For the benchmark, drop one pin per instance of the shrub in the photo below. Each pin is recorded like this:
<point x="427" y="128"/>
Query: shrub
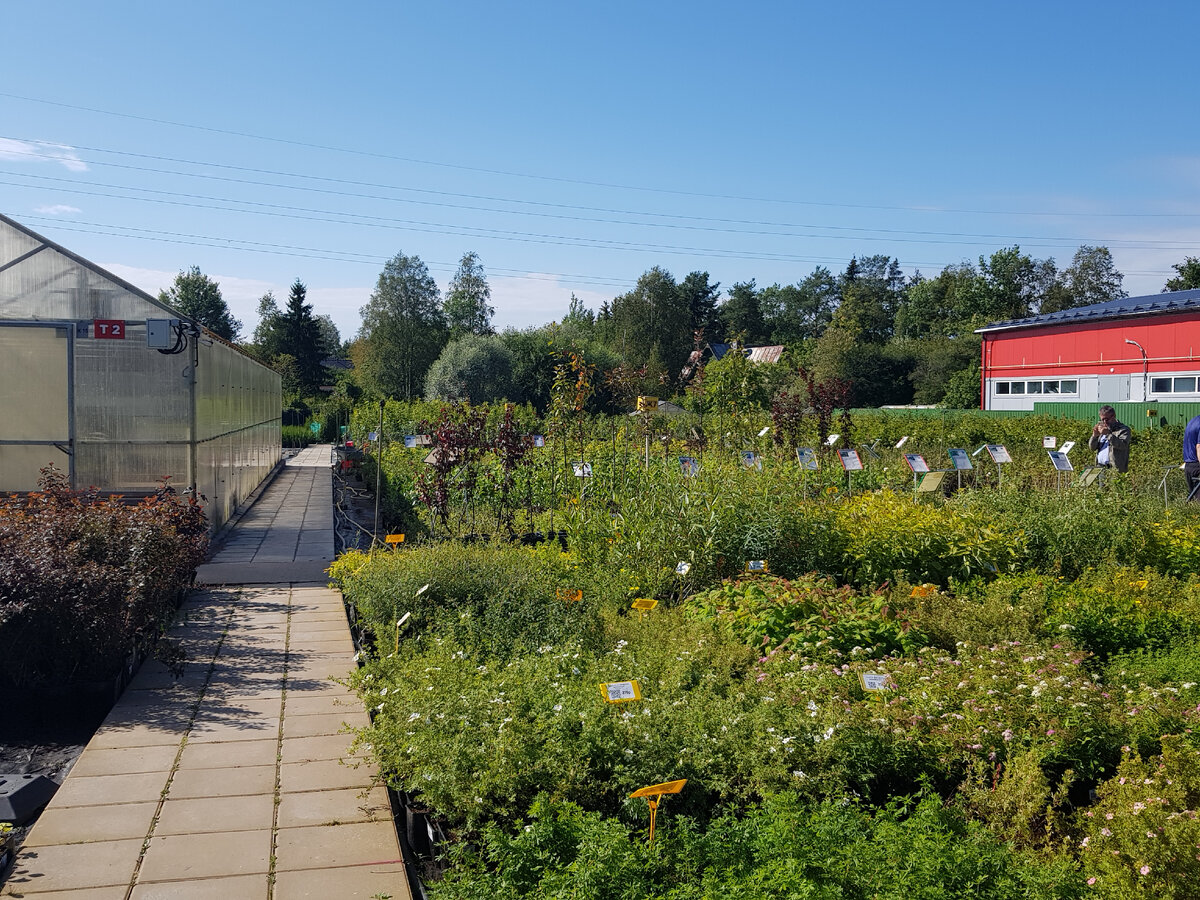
<point x="1142" y="839"/>
<point x="809" y="614"/>
<point x="916" y="847"/>
<point x="492" y="601"/>
<point x="86" y="582"/>
<point x="890" y="537"/>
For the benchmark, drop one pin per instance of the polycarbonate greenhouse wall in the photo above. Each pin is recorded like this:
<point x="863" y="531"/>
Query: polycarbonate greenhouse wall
<point x="80" y="388"/>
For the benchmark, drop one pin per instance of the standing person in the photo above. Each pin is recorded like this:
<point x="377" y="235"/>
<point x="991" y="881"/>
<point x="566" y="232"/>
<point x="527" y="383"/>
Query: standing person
<point x="1191" y="455"/>
<point x="1110" y="440"/>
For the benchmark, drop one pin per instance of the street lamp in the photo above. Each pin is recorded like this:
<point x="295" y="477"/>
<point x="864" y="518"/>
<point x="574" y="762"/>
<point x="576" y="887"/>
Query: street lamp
<point x="1145" y="369"/>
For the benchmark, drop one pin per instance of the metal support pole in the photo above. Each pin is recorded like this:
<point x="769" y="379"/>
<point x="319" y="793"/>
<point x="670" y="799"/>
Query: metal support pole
<point x="378" y="473"/>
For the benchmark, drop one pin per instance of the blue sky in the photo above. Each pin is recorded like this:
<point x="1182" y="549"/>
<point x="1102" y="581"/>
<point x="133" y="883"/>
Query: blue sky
<point x="573" y="147"/>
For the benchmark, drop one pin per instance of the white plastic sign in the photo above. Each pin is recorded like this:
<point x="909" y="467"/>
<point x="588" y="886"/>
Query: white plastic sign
<point x="998" y="453"/>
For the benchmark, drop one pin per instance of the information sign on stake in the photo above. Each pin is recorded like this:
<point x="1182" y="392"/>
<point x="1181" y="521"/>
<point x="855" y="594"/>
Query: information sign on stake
<point x="960" y="459"/>
<point x="1061" y="461"/>
<point x="850" y="460"/>
<point x="916" y="462"/>
<point x="682" y="568"/>
<point x="643" y="605"/>
<point x="756" y="565"/>
<point x="539" y="440"/>
<point x="582" y="469"/>
<point x="807" y="458"/>
<point x="647" y="404"/>
<point x="620" y="691"/>
<point x="873" y="681"/>
<point x="1049" y="442"/>
<point x="998" y="453"/>
<point x="751" y="460"/>
<point x="689" y="466"/>
<point x="394" y="539"/>
<point x="1067" y="447"/>
<point x="832" y="439"/>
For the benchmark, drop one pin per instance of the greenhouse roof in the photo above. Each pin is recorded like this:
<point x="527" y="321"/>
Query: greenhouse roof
<point x="1121" y="308"/>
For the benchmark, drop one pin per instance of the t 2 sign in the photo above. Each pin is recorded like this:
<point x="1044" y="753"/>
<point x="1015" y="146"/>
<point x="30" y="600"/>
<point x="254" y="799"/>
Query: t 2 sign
<point x="110" y="329"/>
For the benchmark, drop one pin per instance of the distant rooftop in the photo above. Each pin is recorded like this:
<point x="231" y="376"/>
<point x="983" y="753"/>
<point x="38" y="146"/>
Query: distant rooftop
<point x="1123" y="307"/>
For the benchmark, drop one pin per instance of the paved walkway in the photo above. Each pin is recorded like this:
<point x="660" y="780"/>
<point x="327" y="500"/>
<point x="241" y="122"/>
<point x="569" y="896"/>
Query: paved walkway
<point x="234" y="781"/>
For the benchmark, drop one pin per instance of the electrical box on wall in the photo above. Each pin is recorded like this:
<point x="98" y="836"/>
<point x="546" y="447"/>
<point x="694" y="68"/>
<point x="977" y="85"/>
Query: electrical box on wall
<point x="161" y="333"/>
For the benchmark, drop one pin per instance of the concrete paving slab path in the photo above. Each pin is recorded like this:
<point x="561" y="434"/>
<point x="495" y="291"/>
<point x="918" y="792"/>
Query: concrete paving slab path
<point x="234" y="781"/>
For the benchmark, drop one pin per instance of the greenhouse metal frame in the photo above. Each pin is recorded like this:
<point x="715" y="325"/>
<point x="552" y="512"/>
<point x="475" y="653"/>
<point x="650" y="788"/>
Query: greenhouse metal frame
<point x="120" y="392"/>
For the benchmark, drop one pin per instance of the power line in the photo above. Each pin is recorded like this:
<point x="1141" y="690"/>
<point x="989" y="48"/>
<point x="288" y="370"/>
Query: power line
<point x="575" y="181"/>
<point x="334" y="217"/>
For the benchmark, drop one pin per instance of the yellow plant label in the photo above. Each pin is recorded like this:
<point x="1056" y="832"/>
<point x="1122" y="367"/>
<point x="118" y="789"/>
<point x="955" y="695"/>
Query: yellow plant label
<point x="647" y="404"/>
<point x="620" y="691"/>
<point x="655" y="790"/>
<point x="394" y="539"/>
<point x="644" y="603"/>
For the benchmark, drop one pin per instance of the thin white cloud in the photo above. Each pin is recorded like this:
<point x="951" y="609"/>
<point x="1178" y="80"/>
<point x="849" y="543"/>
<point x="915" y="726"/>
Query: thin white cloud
<point x="58" y="209"/>
<point x="536" y="299"/>
<point x="39" y="151"/>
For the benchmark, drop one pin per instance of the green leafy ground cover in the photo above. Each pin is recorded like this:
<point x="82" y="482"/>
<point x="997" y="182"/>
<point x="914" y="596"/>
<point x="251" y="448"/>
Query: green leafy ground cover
<point x="1038" y="740"/>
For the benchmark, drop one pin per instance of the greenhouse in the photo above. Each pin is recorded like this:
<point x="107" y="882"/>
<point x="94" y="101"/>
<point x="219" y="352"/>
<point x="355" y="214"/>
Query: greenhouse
<point x="109" y="385"/>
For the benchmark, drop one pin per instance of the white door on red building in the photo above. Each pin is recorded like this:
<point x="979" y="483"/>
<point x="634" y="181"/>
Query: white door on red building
<point x="1114" y="389"/>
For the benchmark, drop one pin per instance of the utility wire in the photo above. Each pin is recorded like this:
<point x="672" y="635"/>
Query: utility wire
<point x="561" y="180"/>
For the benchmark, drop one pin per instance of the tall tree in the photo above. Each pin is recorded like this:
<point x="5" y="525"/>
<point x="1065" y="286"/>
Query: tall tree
<point x="741" y="314"/>
<point x="800" y="312"/>
<point x="1016" y="283"/>
<point x="871" y="291"/>
<point x="264" y="331"/>
<point x="701" y="299"/>
<point x="652" y="322"/>
<point x="1187" y="275"/>
<point x="331" y="338"/>
<point x="403" y="330"/>
<point x="1091" y="278"/>
<point x="467" y="300"/>
<point x="300" y="336"/>
<point x="199" y="297"/>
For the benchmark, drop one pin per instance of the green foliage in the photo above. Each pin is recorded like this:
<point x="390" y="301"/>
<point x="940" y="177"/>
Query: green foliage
<point x="809" y="614"/>
<point x="474" y="368"/>
<point x="733" y="385"/>
<point x="785" y="848"/>
<point x="85" y="582"/>
<point x="1141" y="838"/>
<point x="1187" y="275"/>
<point x="403" y="329"/>
<point x="468" y="310"/>
<point x="297" y="436"/>
<point x="891" y="537"/>
<point x="492" y="601"/>
<point x="199" y="297"/>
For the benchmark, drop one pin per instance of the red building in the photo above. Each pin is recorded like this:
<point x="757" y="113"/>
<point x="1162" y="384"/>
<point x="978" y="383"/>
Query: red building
<point x="1135" y="349"/>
